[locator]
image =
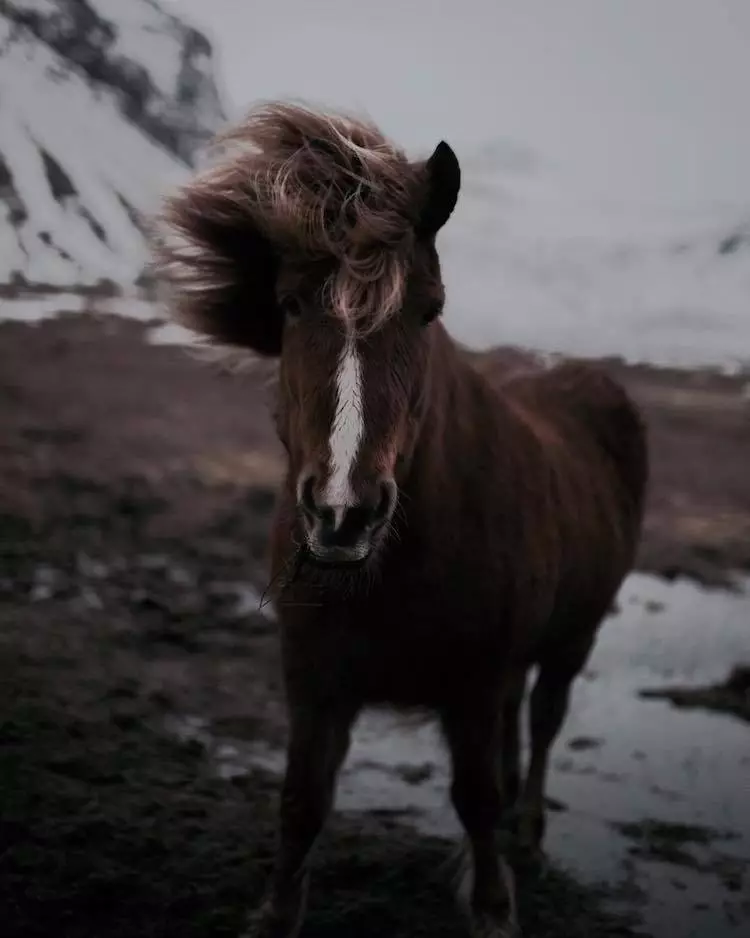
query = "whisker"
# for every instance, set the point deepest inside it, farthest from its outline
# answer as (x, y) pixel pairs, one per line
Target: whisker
(266, 601)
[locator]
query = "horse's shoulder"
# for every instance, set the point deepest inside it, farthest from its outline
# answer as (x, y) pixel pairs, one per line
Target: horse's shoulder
(555, 395)
(569, 384)
(501, 367)
(572, 402)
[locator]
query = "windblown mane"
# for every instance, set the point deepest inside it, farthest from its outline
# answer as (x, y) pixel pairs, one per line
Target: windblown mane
(318, 186)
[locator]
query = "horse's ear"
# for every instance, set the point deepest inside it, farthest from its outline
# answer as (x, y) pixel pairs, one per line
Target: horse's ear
(221, 269)
(443, 181)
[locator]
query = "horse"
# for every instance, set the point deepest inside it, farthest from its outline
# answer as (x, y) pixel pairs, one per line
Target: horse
(442, 528)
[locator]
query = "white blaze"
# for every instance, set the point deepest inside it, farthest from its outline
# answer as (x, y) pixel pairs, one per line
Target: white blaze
(347, 430)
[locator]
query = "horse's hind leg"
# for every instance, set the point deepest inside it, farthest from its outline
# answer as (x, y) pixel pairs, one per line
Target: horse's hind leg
(473, 736)
(510, 765)
(318, 743)
(548, 708)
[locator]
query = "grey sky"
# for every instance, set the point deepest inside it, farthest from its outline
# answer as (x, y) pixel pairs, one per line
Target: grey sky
(649, 96)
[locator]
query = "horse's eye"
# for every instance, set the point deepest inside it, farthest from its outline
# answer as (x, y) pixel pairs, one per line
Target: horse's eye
(431, 313)
(291, 306)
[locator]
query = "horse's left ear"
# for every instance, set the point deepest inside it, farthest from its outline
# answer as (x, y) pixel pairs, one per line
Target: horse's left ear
(443, 181)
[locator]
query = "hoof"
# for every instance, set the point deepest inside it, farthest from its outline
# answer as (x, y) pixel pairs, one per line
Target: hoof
(269, 922)
(498, 919)
(528, 830)
(490, 928)
(463, 876)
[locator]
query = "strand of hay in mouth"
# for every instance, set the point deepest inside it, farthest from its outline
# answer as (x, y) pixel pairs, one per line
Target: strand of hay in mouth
(329, 186)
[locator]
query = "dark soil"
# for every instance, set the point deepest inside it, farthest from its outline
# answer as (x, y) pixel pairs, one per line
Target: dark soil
(680, 845)
(731, 696)
(108, 826)
(110, 829)
(135, 493)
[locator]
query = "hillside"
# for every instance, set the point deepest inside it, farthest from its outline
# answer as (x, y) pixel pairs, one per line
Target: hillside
(532, 258)
(102, 104)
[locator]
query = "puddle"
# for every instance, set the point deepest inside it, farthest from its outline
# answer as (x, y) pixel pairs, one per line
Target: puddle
(651, 808)
(654, 798)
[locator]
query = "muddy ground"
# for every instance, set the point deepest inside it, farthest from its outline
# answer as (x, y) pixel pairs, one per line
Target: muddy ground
(136, 487)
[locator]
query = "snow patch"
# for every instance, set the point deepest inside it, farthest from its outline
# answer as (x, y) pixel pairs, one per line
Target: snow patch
(79, 175)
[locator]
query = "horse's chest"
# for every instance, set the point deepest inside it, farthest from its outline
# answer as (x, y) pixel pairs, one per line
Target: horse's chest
(409, 654)
(408, 667)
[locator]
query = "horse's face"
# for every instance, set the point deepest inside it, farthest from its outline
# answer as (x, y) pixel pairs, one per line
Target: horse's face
(317, 246)
(349, 407)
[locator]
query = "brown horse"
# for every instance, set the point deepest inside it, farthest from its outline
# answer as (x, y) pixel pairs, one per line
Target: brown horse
(439, 532)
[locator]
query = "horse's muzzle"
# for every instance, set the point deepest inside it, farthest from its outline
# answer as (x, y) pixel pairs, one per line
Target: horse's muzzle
(344, 535)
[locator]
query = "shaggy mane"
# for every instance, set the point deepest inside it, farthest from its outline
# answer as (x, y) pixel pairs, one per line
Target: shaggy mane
(318, 186)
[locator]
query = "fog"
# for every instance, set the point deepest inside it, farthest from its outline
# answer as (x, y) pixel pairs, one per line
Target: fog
(600, 142)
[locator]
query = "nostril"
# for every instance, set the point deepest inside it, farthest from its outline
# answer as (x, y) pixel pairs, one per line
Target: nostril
(387, 500)
(307, 495)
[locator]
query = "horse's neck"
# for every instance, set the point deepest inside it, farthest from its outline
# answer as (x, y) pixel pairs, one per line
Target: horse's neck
(462, 417)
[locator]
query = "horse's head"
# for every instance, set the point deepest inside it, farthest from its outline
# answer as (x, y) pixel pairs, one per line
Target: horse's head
(315, 243)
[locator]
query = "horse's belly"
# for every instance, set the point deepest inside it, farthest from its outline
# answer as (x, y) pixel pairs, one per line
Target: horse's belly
(416, 645)
(403, 676)
(413, 660)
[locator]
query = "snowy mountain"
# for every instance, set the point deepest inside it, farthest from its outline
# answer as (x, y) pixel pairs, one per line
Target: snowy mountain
(533, 259)
(103, 103)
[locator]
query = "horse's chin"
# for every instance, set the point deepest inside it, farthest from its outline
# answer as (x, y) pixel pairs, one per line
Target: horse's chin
(338, 561)
(349, 560)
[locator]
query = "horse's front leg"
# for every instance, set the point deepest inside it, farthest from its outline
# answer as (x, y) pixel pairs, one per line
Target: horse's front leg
(318, 743)
(474, 735)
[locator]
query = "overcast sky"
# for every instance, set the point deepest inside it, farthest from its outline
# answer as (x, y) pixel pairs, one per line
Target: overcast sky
(652, 92)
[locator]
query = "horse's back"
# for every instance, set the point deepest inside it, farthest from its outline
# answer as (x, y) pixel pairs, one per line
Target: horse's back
(582, 396)
(576, 401)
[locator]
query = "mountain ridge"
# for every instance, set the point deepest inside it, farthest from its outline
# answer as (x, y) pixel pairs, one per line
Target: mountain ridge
(102, 106)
